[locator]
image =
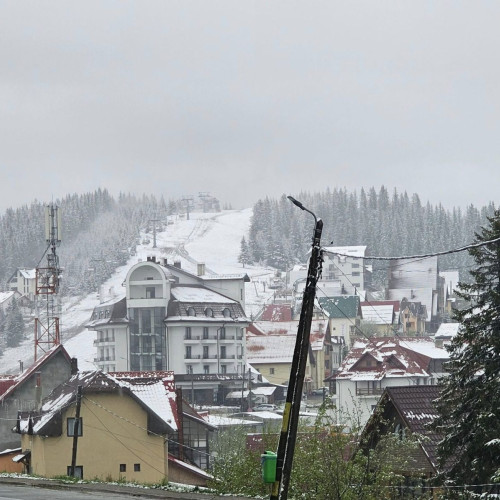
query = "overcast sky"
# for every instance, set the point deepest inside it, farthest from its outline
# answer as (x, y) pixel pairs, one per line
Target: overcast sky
(246, 99)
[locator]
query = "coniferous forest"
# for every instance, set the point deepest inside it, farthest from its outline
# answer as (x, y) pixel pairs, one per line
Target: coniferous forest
(100, 232)
(389, 224)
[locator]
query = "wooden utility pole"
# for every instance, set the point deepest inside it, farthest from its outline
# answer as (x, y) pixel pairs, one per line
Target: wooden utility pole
(288, 436)
(76, 429)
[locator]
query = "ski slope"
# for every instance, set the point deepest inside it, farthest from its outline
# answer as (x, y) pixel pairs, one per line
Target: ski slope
(210, 238)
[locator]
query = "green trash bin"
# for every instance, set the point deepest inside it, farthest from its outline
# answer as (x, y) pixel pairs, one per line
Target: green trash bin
(268, 462)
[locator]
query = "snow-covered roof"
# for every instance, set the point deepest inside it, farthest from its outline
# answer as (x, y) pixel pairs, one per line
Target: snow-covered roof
(153, 390)
(353, 251)
(270, 349)
(378, 314)
(447, 330)
(389, 357)
(199, 294)
(223, 421)
(29, 274)
(4, 296)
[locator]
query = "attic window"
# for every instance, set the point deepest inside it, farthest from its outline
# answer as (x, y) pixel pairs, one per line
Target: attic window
(190, 311)
(209, 312)
(226, 313)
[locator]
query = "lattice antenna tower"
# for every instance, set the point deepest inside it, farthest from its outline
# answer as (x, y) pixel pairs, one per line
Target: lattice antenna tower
(47, 313)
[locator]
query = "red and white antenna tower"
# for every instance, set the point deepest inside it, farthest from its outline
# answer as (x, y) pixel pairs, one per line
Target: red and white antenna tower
(47, 287)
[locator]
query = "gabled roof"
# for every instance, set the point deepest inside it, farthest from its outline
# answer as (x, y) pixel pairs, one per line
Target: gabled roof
(397, 357)
(414, 405)
(150, 394)
(341, 306)
(19, 380)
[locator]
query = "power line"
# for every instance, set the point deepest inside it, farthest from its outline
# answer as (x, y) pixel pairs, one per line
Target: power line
(421, 256)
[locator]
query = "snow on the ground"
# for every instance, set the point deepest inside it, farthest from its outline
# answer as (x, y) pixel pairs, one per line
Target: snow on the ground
(210, 238)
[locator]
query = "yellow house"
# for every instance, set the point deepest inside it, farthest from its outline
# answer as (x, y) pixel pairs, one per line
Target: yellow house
(119, 435)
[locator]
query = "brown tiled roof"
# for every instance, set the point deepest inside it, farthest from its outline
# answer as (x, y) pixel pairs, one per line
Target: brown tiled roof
(415, 406)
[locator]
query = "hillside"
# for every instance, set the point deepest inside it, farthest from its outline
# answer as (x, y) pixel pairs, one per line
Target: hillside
(210, 238)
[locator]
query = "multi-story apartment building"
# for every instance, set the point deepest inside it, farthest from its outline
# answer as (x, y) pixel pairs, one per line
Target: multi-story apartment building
(171, 319)
(345, 267)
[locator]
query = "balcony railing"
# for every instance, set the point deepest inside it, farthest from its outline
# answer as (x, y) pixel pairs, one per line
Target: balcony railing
(192, 356)
(369, 391)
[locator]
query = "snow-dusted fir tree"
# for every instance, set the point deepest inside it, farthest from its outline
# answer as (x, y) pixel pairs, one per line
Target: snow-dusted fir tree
(14, 325)
(244, 257)
(469, 405)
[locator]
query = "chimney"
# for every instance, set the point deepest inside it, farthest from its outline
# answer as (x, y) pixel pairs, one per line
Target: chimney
(165, 262)
(201, 269)
(177, 264)
(439, 342)
(21, 366)
(74, 366)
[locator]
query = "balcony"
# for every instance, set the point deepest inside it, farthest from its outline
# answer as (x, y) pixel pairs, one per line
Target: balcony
(369, 391)
(192, 356)
(103, 341)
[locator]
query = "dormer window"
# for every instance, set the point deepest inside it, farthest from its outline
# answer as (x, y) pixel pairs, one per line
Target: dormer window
(209, 312)
(190, 311)
(226, 313)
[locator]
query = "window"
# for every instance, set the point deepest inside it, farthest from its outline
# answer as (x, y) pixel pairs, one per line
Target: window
(355, 273)
(137, 467)
(189, 369)
(78, 471)
(223, 353)
(123, 467)
(190, 311)
(70, 426)
(150, 292)
(271, 371)
(209, 312)
(355, 266)
(187, 335)
(205, 352)
(206, 369)
(188, 352)
(222, 332)
(223, 369)
(205, 332)
(226, 313)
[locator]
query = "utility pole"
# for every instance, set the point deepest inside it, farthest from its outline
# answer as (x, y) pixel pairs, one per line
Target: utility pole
(154, 221)
(76, 429)
(188, 201)
(288, 436)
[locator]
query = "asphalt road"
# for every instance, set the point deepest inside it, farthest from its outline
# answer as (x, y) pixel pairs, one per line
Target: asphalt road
(33, 489)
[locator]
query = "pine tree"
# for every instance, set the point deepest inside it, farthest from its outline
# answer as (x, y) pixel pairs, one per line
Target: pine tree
(14, 325)
(244, 257)
(469, 409)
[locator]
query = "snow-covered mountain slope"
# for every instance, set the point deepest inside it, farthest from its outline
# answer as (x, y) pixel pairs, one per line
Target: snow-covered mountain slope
(212, 239)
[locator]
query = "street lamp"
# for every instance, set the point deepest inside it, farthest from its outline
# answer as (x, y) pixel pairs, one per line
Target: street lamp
(288, 436)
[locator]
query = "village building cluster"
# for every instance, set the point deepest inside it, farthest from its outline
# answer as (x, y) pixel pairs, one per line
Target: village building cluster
(177, 342)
